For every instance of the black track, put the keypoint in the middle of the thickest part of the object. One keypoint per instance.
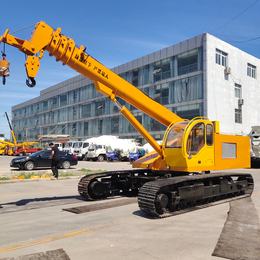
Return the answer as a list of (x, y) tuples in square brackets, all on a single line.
[(123, 180), (149, 202), (162, 194)]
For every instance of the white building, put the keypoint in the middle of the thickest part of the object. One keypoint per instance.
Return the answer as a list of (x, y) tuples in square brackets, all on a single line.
[(202, 76), (231, 86)]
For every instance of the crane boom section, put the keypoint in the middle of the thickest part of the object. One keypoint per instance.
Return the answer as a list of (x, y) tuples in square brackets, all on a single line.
[(44, 38), (10, 128)]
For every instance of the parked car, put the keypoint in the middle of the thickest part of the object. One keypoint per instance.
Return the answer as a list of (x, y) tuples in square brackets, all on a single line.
[(42, 159)]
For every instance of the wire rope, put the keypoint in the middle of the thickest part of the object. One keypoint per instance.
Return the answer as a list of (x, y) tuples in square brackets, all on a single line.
[(234, 17)]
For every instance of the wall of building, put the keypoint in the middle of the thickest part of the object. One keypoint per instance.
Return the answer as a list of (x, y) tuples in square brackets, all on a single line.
[(221, 96)]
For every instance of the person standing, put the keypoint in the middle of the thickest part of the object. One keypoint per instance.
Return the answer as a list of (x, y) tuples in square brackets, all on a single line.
[(55, 156)]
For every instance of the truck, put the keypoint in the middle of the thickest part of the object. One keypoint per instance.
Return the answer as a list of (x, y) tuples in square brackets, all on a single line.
[(140, 152), (8, 150), (2, 149), (180, 173), (98, 147), (25, 148), (7, 147), (59, 145), (255, 146), (81, 151), (70, 146), (119, 149)]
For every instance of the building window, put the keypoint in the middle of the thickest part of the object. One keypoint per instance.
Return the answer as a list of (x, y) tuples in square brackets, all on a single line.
[(44, 119), (115, 125), (45, 105), (100, 107), (251, 70), (188, 62), (100, 126), (54, 102), (74, 129), (238, 93), (74, 96), (86, 110), (52, 117), (187, 89), (135, 77), (63, 100), (146, 74), (85, 131), (157, 71), (166, 68), (238, 116), (189, 111), (221, 58), (162, 70), (74, 113)]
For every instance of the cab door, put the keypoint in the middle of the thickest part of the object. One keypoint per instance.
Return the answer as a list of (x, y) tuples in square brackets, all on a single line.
[(200, 146)]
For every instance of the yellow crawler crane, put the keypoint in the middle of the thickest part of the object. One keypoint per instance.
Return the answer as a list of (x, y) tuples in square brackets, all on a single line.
[(171, 178)]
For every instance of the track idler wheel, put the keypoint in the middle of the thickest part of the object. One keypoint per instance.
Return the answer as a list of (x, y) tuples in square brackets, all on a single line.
[(98, 189), (162, 201)]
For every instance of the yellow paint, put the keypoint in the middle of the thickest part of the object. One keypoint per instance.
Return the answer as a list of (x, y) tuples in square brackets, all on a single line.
[(18, 177), (72, 234), (45, 240), (45, 176)]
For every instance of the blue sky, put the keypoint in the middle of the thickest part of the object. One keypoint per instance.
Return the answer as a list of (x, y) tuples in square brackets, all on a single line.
[(115, 32)]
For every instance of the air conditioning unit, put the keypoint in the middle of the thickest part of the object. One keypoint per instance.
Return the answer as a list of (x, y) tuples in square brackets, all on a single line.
[(241, 102), (227, 70)]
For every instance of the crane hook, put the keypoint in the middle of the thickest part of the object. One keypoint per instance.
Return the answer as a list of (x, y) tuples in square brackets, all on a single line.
[(31, 85)]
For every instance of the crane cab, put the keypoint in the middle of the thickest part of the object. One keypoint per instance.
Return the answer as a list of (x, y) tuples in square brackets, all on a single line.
[(189, 145), (197, 145)]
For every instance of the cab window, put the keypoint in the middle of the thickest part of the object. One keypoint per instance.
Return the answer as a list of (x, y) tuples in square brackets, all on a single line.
[(196, 139), (175, 134), (209, 135)]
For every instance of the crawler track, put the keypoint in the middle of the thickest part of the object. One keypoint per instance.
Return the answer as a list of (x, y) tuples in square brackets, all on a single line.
[(161, 194), (172, 196), (102, 185)]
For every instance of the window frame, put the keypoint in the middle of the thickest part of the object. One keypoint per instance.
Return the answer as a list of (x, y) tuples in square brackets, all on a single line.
[(251, 70), (238, 116), (221, 57)]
